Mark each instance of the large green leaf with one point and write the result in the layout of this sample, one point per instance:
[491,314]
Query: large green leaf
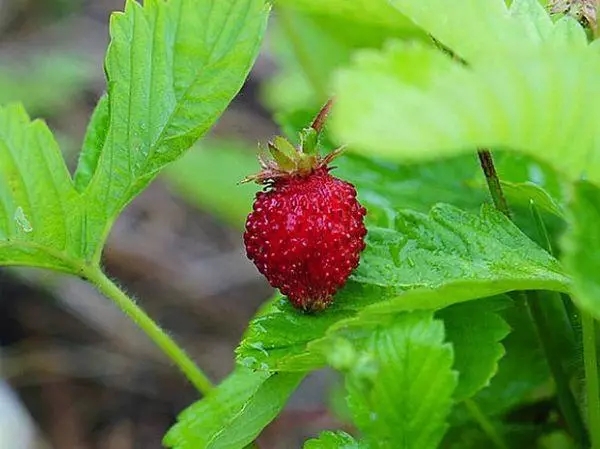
[481,30]
[582,246]
[167,85]
[233,414]
[172,68]
[333,440]
[414,103]
[400,389]
[475,330]
[425,262]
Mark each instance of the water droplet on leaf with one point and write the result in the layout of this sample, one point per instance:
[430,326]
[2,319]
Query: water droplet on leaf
[22,220]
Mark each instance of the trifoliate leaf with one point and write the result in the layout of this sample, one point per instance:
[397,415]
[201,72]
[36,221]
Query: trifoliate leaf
[167,84]
[400,390]
[232,415]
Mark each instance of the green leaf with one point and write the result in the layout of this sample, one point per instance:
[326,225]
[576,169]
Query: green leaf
[172,68]
[581,246]
[41,222]
[232,415]
[333,440]
[210,173]
[480,31]
[400,390]
[523,193]
[475,330]
[522,372]
[167,85]
[92,144]
[535,104]
[424,262]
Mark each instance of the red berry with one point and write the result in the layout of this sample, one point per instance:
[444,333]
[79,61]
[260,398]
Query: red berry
[305,235]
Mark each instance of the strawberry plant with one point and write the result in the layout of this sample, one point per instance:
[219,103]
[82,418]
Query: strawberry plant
[470,320]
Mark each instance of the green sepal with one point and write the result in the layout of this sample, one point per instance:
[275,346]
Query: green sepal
[309,138]
[284,162]
[284,146]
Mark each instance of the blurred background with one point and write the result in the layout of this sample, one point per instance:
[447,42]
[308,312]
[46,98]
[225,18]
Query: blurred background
[74,372]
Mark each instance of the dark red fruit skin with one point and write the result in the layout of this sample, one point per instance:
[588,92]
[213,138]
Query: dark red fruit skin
[305,235]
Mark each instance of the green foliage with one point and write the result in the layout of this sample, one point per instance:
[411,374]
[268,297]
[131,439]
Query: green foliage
[424,326]
[333,440]
[400,387]
[424,262]
[512,102]
[191,75]
[40,212]
[158,103]
[233,415]
[581,244]
[475,330]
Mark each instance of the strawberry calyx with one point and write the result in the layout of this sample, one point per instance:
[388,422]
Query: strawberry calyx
[282,159]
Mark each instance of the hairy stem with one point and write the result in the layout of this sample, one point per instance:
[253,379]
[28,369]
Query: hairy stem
[592,387]
[549,343]
[153,330]
[485,424]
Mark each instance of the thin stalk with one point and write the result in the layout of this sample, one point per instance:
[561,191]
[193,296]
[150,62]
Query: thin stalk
[493,182]
[153,330]
[551,350]
[592,387]
[549,344]
[485,424]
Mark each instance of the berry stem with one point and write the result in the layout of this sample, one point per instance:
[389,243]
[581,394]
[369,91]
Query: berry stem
[153,330]
[540,315]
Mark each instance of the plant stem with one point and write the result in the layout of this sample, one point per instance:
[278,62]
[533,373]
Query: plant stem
[485,424]
[153,330]
[590,358]
[552,351]
[549,344]
[493,182]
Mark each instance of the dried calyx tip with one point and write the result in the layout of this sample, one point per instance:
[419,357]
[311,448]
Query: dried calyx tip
[282,159]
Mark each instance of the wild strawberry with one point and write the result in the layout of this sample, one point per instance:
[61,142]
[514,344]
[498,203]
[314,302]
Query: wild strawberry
[306,231]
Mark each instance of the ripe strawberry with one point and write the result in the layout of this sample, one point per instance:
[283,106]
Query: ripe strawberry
[306,232]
